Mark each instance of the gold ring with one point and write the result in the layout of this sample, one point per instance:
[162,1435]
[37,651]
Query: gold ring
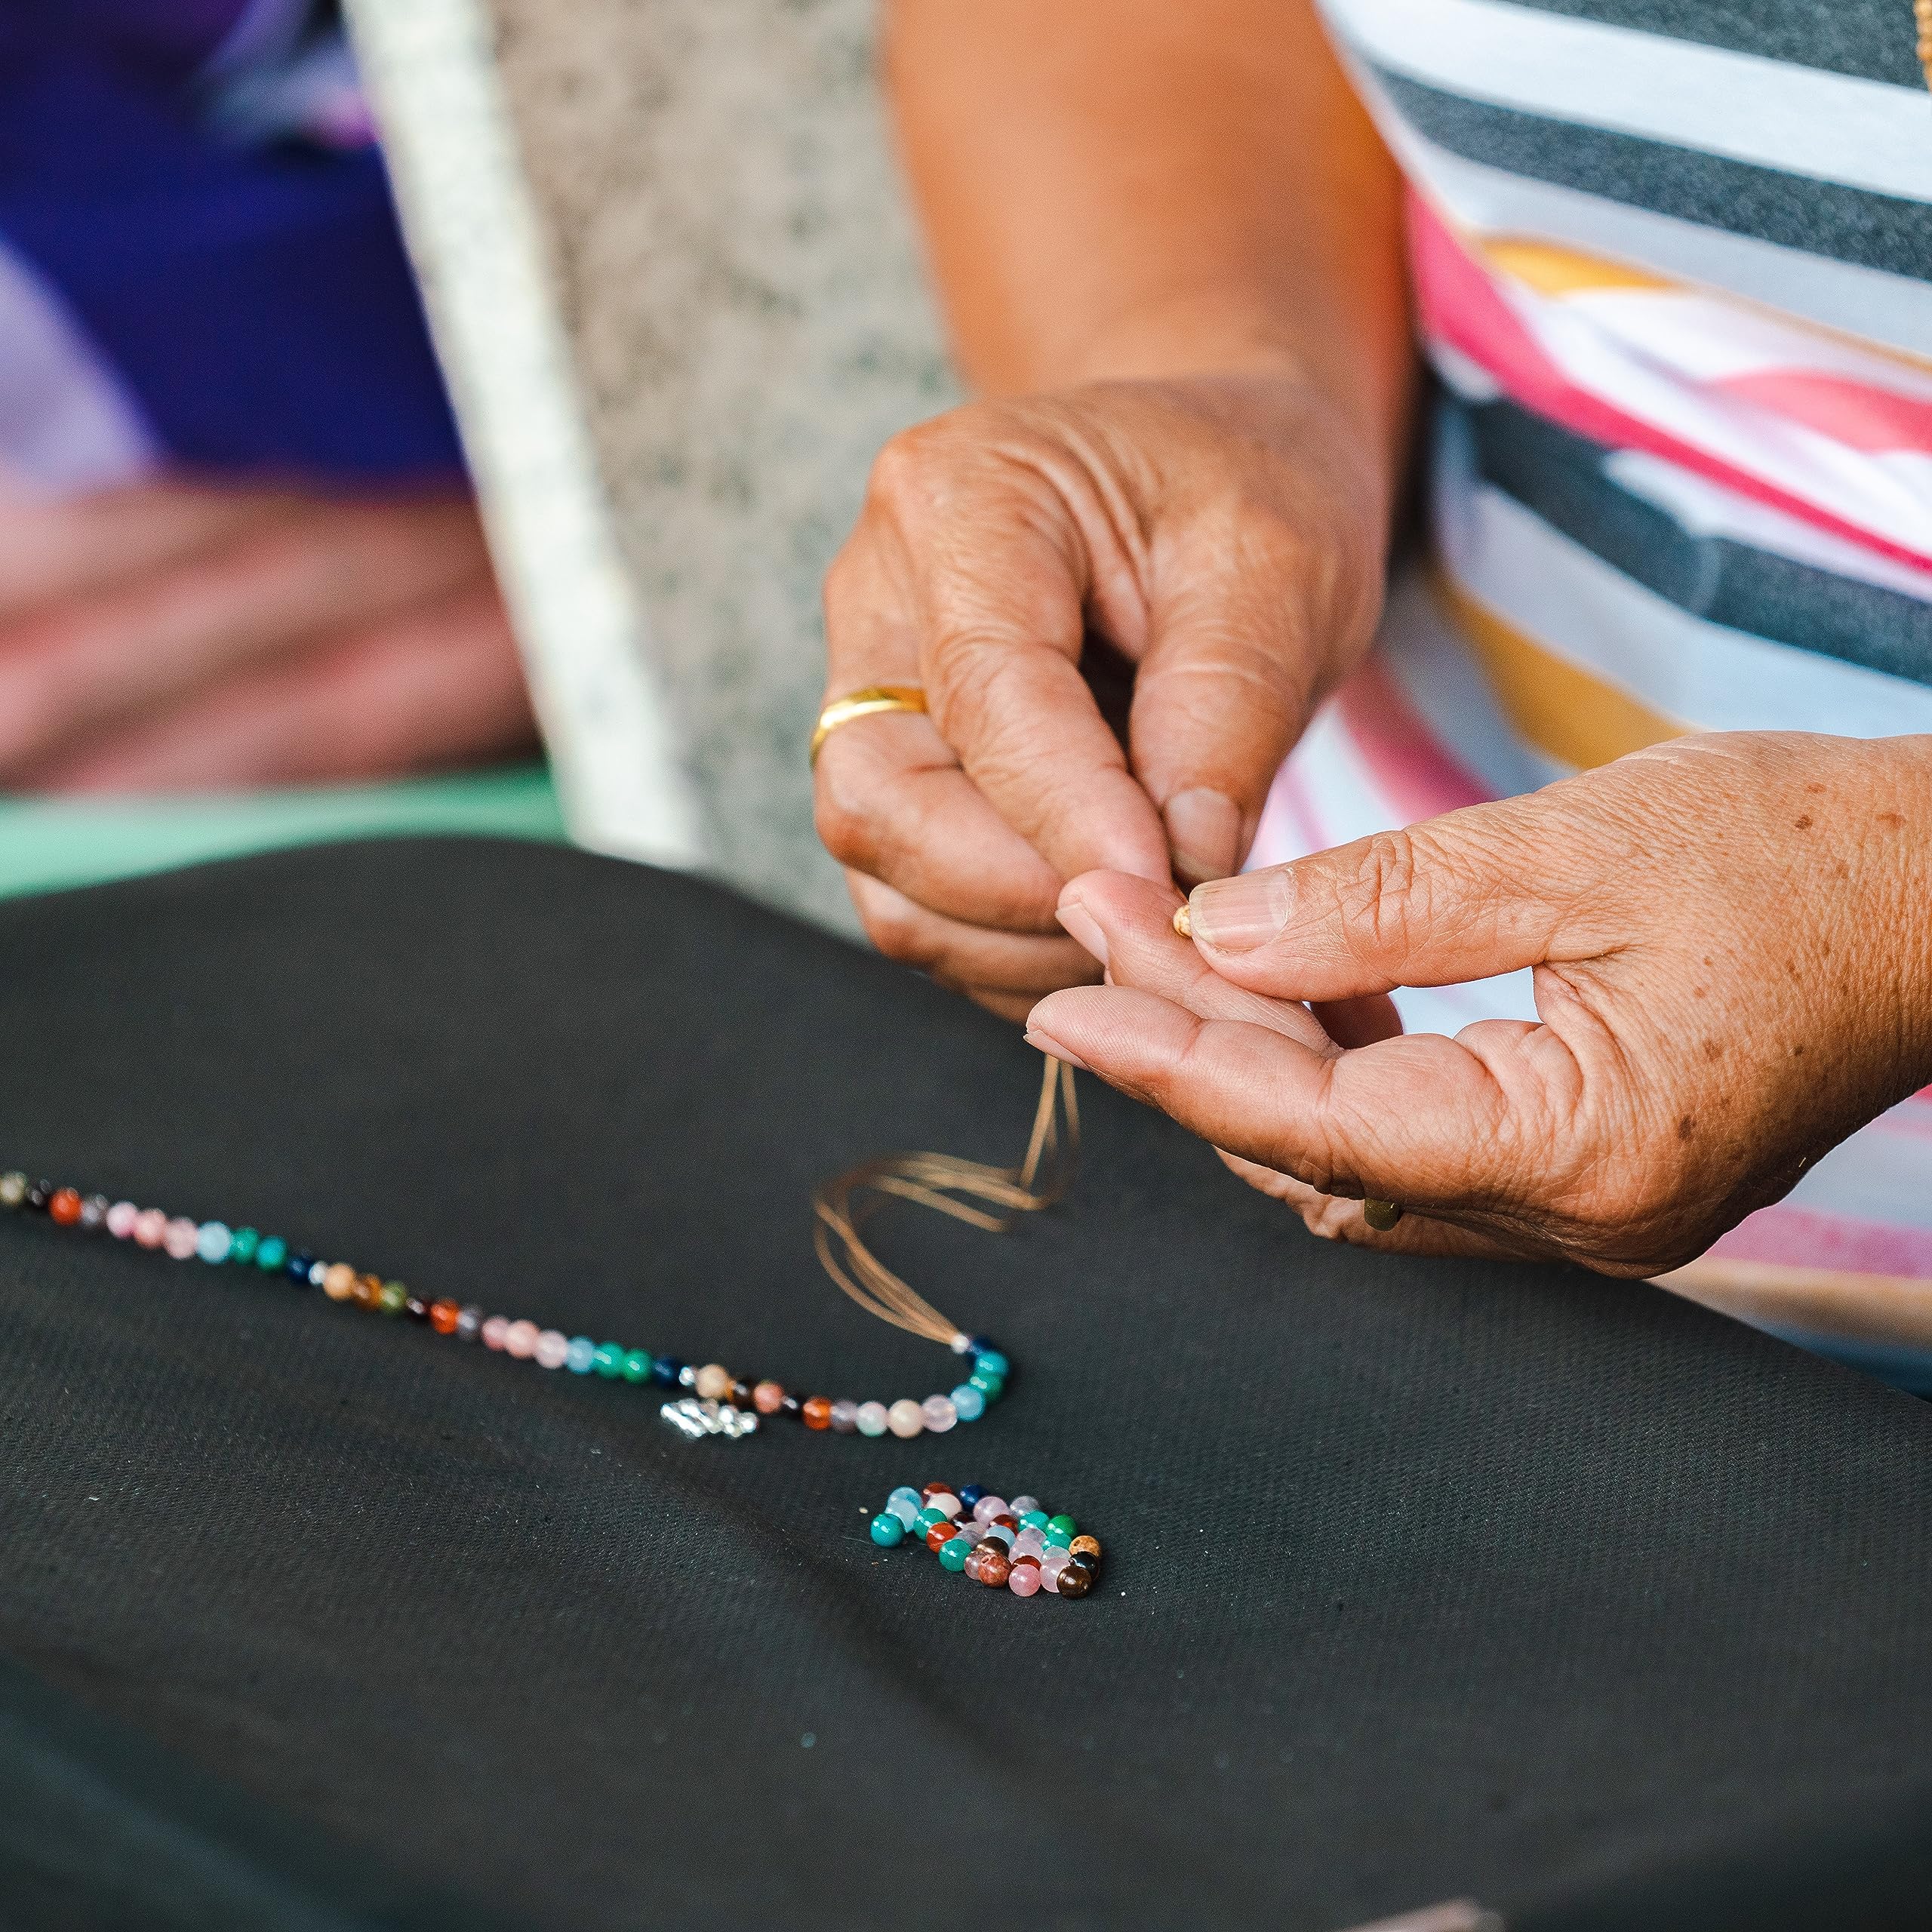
[867,704]
[1380,1215]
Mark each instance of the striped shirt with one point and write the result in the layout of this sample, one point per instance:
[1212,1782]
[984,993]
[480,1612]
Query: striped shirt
[1672,260]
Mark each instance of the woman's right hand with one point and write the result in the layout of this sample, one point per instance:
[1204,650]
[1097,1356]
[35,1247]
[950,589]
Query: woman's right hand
[1226,534]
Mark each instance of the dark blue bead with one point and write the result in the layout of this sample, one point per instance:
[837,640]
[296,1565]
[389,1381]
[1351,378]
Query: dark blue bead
[296,1268]
[977,1345]
[664,1369]
[970,1494]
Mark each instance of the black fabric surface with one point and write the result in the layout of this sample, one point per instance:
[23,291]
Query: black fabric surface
[1423,1580]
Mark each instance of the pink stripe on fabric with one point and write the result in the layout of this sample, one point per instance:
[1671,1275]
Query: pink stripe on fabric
[1792,1237]
[1405,763]
[1462,306]
[1873,421]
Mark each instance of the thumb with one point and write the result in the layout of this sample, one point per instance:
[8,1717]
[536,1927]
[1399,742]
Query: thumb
[1460,897]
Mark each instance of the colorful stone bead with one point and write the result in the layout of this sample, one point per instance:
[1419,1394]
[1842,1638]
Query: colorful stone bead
[494,1330]
[905,1418]
[714,1381]
[1031,1519]
[972,1565]
[181,1238]
[212,1242]
[243,1244]
[1000,1533]
[666,1371]
[948,1505]
[580,1359]
[816,1412]
[968,1404]
[739,1393]
[607,1358]
[989,1385]
[417,1308]
[844,1417]
[929,1517]
[1052,1564]
[272,1252]
[887,1529]
[939,1413]
[392,1298]
[938,1536]
[906,1503]
[520,1339]
[1062,1529]
[150,1228]
[637,1365]
[39,1193]
[121,1218]
[1023,1580]
[469,1320]
[988,1507]
[1029,1543]
[363,1291]
[970,1494]
[1075,1580]
[13,1188]
[552,1350]
[954,1553]
[298,1267]
[768,1397]
[339,1282]
[872,1418]
[990,1362]
[64,1207]
[995,1569]
[1085,1547]
[443,1317]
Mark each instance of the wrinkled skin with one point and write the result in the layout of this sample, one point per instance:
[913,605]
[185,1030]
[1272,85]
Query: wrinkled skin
[1731,940]
[1224,534]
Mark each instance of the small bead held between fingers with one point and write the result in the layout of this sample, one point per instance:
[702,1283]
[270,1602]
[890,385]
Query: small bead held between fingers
[1183,920]
[1380,1215]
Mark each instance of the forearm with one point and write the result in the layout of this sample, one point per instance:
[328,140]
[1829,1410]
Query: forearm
[1117,189]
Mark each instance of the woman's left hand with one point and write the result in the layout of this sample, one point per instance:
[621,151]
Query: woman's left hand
[1731,940]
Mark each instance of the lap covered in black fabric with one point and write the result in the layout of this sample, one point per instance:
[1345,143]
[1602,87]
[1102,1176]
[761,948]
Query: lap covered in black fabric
[1423,1580]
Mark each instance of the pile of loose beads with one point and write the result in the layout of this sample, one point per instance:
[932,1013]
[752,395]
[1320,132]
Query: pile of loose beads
[719,1403]
[1016,1543]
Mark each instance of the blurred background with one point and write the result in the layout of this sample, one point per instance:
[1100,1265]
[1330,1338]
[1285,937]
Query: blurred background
[435,414]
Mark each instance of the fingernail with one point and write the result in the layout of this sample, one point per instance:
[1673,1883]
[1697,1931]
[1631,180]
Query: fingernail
[1080,924]
[1047,1043]
[1203,834]
[1236,915]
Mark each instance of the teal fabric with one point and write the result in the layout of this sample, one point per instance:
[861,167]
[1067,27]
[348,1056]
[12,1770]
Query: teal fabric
[47,845]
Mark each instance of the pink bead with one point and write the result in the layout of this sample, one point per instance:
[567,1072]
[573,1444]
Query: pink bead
[973,1564]
[121,1218]
[551,1347]
[494,1330]
[939,1413]
[1023,1506]
[179,1238]
[150,1227]
[987,1508]
[520,1339]
[1023,1580]
[1029,1543]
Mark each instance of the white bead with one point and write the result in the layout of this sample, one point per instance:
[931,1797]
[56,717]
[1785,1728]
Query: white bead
[871,1419]
[905,1417]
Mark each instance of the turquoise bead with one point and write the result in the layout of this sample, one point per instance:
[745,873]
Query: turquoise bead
[637,1365]
[970,1404]
[929,1519]
[1034,1519]
[607,1358]
[992,1363]
[271,1253]
[887,1529]
[242,1244]
[1060,1531]
[581,1355]
[953,1555]
[989,1385]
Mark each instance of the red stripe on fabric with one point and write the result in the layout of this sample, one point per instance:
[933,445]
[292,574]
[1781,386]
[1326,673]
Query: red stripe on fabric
[1792,1237]
[1873,421]
[1405,763]
[1461,306]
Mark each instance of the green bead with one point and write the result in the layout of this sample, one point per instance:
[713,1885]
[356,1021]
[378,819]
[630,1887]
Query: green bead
[928,1519]
[953,1555]
[989,1385]
[1060,1531]
[609,1359]
[1034,1519]
[242,1243]
[636,1364]
[391,1297]
[271,1253]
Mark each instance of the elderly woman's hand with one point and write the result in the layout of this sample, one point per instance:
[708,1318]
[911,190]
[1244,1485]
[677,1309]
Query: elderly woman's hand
[1731,938]
[1226,534]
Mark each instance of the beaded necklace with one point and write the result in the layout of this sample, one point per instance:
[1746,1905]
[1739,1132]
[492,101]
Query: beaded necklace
[709,1401]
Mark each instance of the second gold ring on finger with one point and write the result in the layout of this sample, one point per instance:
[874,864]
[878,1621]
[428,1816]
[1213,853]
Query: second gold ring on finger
[870,702]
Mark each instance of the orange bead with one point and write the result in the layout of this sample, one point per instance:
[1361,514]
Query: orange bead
[65,1206]
[768,1398]
[367,1292]
[338,1280]
[442,1317]
[817,1411]
[940,1534]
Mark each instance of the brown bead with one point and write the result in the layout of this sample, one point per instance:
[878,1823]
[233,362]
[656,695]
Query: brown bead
[994,1568]
[1075,1580]
[65,1206]
[741,1395]
[369,1292]
[415,1308]
[1084,1547]
[442,1317]
[818,1411]
[940,1534]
